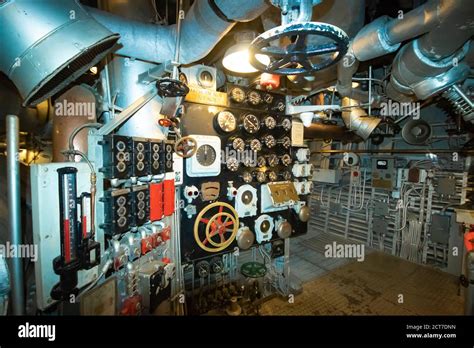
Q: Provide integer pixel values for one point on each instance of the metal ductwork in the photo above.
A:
(204, 26)
(328, 131)
(48, 44)
(357, 120)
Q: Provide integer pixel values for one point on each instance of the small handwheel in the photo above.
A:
(299, 57)
(253, 269)
(185, 147)
(171, 88)
(220, 227)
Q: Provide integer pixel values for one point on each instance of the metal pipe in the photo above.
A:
(405, 151)
(14, 211)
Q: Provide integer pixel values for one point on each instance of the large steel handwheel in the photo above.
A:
(185, 147)
(299, 55)
(216, 227)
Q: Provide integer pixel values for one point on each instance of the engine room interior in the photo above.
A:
(236, 158)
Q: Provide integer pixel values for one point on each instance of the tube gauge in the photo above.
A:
(286, 160)
(251, 123)
(286, 124)
(272, 176)
(273, 160)
(225, 122)
(247, 177)
(261, 176)
(286, 142)
(237, 94)
(254, 98)
(232, 164)
(238, 144)
(270, 122)
(255, 145)
(269, 141)
(261, 162)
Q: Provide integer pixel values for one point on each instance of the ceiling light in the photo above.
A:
(236, 58)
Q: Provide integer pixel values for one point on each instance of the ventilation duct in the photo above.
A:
(47, 44)
(357, 120)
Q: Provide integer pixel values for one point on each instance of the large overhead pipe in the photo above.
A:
(205, 24)
(14, 211)
(357, 120)
(328, 131)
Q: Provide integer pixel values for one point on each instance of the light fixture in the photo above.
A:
(236, 58)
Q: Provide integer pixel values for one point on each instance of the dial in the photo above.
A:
(286, 142)
(226, 121)
(251, 123)
(247, 197)
(286, 160)
(205, 155)
(286, 175)
(261, 161)
(237, 94)
(268, 98)
(247, 177)
(255, 145)
(261, 177)
(269, 141)
(281, 106)
(286, 124)
(272, 176)
(205, 79)
(273, 160)
(238, 144)
(270, 122)
(254, 98)
(232, 164)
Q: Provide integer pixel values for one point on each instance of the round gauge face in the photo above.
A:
(261, 162)
(286, 142)
(205, 79)
(272, 176)
(268, 98)
(255, 145)
(247, 197)
(205, 155)
(226, 121)
(254, 98)
(273, 160)
(238, 144)
(286, 124)
(237, 94)
(251, 124)
(261, 177)
(265, 226)
(270, 122)
(247, 177)
(269, 141)
(232, 164)
(286, 160)
(280, 106)
(286, 175)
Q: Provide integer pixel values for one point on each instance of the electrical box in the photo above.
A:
(330, 176)
(383, 173)
(439, 229)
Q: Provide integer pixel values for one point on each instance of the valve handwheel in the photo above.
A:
(185, 147)
(299, 57)
(216, 227)
(171, 88)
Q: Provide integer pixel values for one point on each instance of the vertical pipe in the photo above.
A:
(14, 210)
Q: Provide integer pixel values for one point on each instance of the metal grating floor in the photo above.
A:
(373, 287)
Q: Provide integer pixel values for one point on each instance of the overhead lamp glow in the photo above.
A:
(237, 57)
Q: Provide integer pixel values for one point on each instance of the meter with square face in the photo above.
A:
(251, 123)
(225, 122)
(206, 155)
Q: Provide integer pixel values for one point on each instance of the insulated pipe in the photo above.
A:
(326, 131)
(204, 25)
(14, 211)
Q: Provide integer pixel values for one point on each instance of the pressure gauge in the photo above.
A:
(268, 98)
(255, 145)
(206, 155)
(205, 79)
(270, 122)
(225, 121)
(254, 98)
(272, 176)
(286, 175)
(286, 160)
(261, 176)
(286, 142)
(280, 106)
(261, 162)
(237, 94)
(286, 124)
(269, 141)
(232, 164)
(238, 144)
(247, 177)
(251, 123)
(273, 160)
